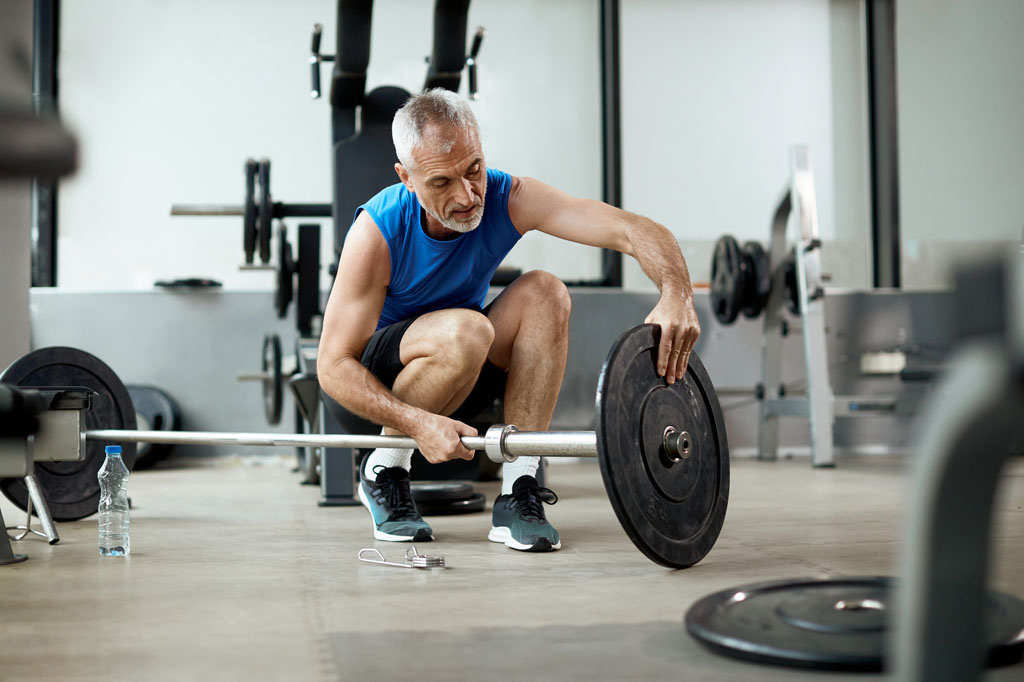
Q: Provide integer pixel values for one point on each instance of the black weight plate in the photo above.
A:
(728, 279)
(759, 279)
(830, 624)
(155, 410)
(474, 503)
(440, 491)
(672, 511)
(285, 290)
(249, 211)
(70, 488)
(273, 382)
(265, 211)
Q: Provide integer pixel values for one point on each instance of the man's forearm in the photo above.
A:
(659, 255)
(359, 392)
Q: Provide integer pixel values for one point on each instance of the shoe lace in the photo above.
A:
(528, 502)
(396, 491)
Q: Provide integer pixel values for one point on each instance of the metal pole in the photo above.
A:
(516, 444)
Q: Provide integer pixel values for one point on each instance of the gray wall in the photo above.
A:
(15, 195)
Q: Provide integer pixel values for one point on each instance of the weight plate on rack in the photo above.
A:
(273, 382)
(759, 280)
(792, 296)
(832, 624)
(266, 212)
(728, 279)
(285, 289)
(673, 511)
(249, 211)
(70, 488)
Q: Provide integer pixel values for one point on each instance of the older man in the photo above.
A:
(407, 342)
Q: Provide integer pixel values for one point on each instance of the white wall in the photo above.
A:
(169, 98)
(714, 95)
(960, 81)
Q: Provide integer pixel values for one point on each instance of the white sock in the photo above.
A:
(510, 471)
(387, 458)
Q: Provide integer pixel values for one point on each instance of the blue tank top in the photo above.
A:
(428, 274)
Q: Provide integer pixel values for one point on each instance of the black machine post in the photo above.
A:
(611, 261)
(44, 101)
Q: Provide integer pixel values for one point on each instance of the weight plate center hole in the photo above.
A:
(859, 605)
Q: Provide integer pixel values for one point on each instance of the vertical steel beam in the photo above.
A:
(611, 132)
(46, 16)
(884, 140)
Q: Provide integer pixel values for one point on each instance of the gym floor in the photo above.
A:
(237, 574)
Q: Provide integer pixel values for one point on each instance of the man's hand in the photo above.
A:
(438, 438)
(679, 331)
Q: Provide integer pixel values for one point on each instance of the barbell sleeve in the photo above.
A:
(506, 442)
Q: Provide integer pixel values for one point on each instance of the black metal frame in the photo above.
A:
(884, 142)
(45, 46)
(611, 132)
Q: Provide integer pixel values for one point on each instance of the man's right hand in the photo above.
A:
(439, 437)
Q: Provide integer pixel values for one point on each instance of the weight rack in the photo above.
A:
(816, 405)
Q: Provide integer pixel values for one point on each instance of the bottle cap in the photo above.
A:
(113, 450)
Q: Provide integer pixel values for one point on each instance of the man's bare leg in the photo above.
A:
(531, 341)
(443, 352)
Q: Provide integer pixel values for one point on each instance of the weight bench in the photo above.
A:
(37, 425)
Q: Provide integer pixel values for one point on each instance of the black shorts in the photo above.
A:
(381, 356)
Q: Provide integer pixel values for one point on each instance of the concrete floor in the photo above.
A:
(237, 574)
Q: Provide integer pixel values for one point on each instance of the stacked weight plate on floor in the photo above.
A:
(155, 410)
(437, 498)
(672, 509)
(830, 624)
(70, 488)
(740, 279)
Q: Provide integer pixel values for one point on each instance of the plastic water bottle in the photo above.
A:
(113, 477)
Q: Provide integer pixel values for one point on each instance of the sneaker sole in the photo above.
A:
(388, 537)
(503, 534)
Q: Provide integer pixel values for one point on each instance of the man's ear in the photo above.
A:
(403, 175)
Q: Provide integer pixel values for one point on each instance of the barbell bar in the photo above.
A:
(661, 448)
(501, 443)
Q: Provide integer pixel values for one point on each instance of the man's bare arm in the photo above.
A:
(534, 205)
(350, 318)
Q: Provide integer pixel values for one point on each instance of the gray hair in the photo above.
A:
(436, 107)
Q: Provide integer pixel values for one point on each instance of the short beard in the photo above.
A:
(456, 225)
(462, 226)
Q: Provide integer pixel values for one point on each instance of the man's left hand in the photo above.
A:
(679, 331)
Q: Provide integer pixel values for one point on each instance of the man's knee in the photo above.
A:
(549, 295)
(462, 336)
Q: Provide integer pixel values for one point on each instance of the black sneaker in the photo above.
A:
(390, 501)
(518, 519)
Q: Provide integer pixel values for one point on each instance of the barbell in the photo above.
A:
(662, 448)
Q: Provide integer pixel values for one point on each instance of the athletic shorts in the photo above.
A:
(381, 356)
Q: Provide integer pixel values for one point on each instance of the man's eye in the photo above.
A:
(440, 184)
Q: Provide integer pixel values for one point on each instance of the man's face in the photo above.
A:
(450, 185)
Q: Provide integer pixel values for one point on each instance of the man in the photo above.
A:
(407, 344)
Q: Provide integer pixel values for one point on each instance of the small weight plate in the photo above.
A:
(673, 511)
(285, 290)
(249, 211)
(831, 624)
(440, 491)
(266, 211)
(728, 279)
(759, 280)
(474, 503)
(70, 488)
(273, 382)
(155, 410)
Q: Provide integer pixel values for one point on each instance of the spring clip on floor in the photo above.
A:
(413, 559)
